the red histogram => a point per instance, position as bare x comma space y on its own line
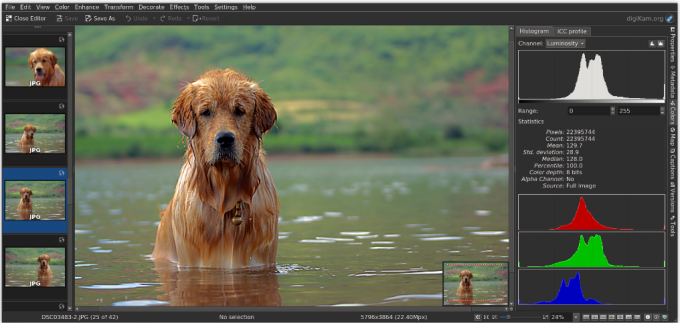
584, 220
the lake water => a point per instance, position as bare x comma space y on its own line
49, 143
22, 275
353, 232
47, 208
484, 293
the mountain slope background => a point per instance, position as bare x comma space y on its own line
413, 90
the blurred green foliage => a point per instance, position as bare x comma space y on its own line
408, 90
29, 256
39, 188
479, 272
44, 123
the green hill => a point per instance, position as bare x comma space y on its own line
44, 123
435, 89
40, 189
479, 272
29, 256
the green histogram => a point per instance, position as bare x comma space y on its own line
588, 254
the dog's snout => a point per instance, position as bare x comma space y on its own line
26, 196
225, 139
44, 263
38, 69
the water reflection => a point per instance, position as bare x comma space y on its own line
335, 239
214, 287
43, 209
48, 143
45, 281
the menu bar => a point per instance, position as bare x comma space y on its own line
217, 7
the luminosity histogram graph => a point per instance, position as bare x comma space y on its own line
602, 212
583, 249
597, 287
592, 76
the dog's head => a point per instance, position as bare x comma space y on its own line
26, 193
223, 114
29, 130
42, 62
465, 276
44, 260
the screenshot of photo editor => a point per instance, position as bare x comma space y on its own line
339, 162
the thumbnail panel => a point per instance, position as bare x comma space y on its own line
475, 283
35, 200
35, 133
30, 66
35, 267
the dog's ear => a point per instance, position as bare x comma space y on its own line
30, 60
265, 114
183, 113
47, 257
40, 259
460, 274
53, 58
30, 192
470, 275
27, 128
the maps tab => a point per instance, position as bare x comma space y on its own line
534, 31
565, 43
572, 31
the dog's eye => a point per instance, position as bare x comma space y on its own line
239, 112
44, 61
206, 113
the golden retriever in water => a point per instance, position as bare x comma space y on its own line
464, 291
225, 210
25, 204
27, 138
216, 287
43, 63
44, 270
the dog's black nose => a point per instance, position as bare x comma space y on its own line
39, 69
225, 139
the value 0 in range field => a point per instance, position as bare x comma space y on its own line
538, 212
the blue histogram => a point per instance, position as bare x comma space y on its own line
570, 294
